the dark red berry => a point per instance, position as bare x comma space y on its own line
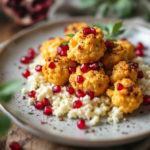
26, 74
94, 66
93, 31
72, 70
79, 93
59, 49
134, 65
84, 68
38, 68
139, 53
62, 50
81, 124
51, 65
66, 47
146, 100
140, 46
80, 79
56, 89
38, 105
63, 53
25, 60
45, 102
109, 44
14, 146
48, 111
77, 104
87, 31
90, 93
32, 94
31, 53
140, 74
70, 90
120, 86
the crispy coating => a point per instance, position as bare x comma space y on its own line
73, 28
129, 98
49, 48
86, 49
60, 74
123, 70
94, 80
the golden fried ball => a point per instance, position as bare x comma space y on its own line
73, 28
129, 98
128, 46
94, 80
123, 70
49, 48
58, 74
113, 56
86, 48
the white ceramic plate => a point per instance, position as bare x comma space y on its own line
66, 132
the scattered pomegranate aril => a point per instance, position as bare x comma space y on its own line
79, 93
81, 124
62, 50
120, 87
87, 31
66, 47
63, 53
38, 68
84, 68
140, 74
109, 44
51, 65
139, 53
93, 31
70, 90
140, 46
72, 70
146, 100
80, 79
48, 111
94, 66
15, 146
90, 93
45, 102
25, 60
26, 74
77, 104
32, 94
38, 105
134, 65
31, 52
56, 89
59, 49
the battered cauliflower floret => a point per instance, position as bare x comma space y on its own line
94, 80
57, 73
128, 46
86, 48
49, 47
73, 28
123, 70
126, 95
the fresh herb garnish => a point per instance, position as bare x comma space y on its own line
66, 43
30, 113
111, 30
70, 35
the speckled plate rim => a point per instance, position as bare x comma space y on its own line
60, 139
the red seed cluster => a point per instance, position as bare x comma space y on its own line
72, 70
62, 50
77, 104
81, 124
32, 94
140, 74
120, 87
26, 73
51, 65
146, 100
139, 50
15, 146
80, 79
90, 93
56, 89
89, 30
109, 44
70, 90
38, 68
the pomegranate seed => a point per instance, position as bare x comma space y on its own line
87, 31
56, 89
90, 93
51, 65
32, 94
70, 90
140, 74
139, 53
94, 66
38, 105
31, 51
123, 39
59, 49
80, 79
66, 47
62, 50
63, 53
93, 31
140, 46
14, 146
79, 93
81, 124
77, 104
25, 60
84, 68
146, 99
48, 111
134, 65
109, 44
26, 74
45, 102
120, 86
38, 68
72, 70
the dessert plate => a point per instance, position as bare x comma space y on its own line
65, 130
